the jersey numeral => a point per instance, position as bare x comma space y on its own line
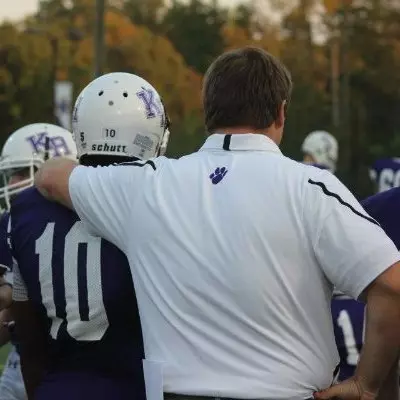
344, 322
84, 313
388, 179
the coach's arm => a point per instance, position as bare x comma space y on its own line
103, 197
52, 180
360, 260
390, 388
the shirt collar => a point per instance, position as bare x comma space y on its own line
240, 142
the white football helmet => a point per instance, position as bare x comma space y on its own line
323, 148
26, 149
120, 114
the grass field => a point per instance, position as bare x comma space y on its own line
3, 356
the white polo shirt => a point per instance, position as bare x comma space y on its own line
234, 251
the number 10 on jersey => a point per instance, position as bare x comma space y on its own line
82, 309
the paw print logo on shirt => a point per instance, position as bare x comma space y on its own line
218, 175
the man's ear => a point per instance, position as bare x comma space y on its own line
280, 121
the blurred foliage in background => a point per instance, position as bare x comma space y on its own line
344, 57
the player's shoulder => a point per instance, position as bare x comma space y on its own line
383, 207
28, 197
30, 206
387, 199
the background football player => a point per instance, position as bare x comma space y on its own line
320, 149
385, 173
23, 152
93, 336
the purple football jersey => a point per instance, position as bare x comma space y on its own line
384, 207
348, 323
386, 173
82, 286
86, 385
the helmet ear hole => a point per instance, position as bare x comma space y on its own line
125, 94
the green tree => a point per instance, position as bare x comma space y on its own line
195, 31
148, 13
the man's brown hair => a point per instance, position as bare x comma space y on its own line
244, 88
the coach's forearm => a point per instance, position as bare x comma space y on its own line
390, 388
382, 339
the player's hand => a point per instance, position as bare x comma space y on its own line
351, 389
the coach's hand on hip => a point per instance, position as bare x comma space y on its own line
351, 389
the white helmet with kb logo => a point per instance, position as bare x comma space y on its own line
25, 150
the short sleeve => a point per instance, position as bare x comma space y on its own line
6, 259
384, 208
350, 246
19, 292
103, 197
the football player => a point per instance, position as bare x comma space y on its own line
64, 289
320, 149
385, 172
19, 160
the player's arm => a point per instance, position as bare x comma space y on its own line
5, 293
360, 260
103, 197
31, 334
5, 335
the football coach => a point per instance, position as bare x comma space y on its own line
235, 249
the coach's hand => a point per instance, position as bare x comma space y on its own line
351, 389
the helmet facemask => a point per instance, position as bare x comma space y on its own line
15, 176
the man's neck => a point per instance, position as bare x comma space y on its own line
269, 132
242, 131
